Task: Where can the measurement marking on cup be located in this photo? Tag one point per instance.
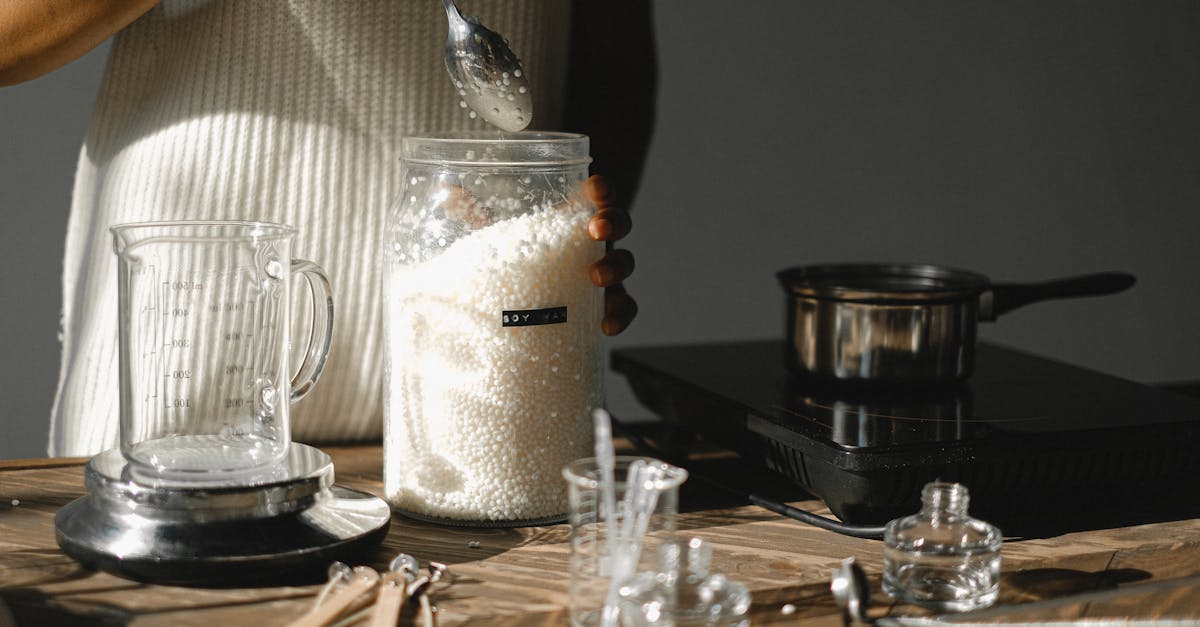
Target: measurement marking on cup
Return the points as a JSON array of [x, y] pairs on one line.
[[186, 286], [227, 307]]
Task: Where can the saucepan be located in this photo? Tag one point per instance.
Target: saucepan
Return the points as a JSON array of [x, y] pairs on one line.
[[905, 323]]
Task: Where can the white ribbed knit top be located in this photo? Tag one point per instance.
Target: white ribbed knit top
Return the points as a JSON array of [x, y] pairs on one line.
[[285, 111]]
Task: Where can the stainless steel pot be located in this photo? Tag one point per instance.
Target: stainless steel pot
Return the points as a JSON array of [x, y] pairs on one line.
[[905, 322]]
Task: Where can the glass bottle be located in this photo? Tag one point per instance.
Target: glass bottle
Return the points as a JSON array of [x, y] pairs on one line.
[[494, 359], [940, 557]]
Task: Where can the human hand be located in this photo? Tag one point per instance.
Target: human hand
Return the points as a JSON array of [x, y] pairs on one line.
[[609, 225]]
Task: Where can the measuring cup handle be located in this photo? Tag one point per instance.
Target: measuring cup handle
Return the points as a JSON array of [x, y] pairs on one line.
[[321, 335]]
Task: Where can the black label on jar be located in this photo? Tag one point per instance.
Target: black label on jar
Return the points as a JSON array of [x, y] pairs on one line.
[[533, 317]]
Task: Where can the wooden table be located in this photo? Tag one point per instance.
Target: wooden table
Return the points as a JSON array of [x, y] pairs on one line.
[[518, 576]]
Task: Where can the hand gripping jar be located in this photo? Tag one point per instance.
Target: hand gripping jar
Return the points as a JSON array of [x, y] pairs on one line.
[[494, 358]]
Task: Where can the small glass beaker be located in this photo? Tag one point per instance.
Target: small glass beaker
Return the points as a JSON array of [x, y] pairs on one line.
[[204, 320], [590, 556], [682, 592]]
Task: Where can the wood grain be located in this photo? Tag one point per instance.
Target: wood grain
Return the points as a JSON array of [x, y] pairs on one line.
[[518, 576]]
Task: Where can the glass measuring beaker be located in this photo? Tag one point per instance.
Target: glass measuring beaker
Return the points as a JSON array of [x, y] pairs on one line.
[[205, 319]]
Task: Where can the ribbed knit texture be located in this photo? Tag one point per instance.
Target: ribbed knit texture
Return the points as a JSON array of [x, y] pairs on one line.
[[273, 110]]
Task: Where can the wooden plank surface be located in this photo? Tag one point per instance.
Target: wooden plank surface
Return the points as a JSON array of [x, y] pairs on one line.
[[518, 576]]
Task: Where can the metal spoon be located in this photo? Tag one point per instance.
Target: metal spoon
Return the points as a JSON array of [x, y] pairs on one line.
[[851, 591], [486, 73]]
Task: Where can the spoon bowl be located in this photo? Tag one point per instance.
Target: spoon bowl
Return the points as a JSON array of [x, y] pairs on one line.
[[486, 73]]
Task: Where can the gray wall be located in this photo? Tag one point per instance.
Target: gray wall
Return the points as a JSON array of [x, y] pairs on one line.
[[42, 124], [1025, 140]]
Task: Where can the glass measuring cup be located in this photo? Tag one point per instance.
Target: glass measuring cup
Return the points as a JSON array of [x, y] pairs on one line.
[[204, 319]]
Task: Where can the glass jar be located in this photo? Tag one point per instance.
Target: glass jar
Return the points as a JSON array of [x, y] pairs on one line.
[[494, 358], [940, 557]]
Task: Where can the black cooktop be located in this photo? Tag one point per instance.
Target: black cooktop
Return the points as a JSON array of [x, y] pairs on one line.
[[1025, 434]]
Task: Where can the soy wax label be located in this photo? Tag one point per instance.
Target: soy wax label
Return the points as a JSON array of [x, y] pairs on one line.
[[533, 317]]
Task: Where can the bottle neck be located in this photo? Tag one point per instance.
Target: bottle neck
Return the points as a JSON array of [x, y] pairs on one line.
[[944, 501]]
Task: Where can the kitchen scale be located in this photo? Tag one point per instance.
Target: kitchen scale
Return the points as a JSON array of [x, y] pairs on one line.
[[1030, 437], [288, 522], [207, 486]]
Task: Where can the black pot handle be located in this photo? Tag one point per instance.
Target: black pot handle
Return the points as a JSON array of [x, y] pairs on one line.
[[1002, 298]]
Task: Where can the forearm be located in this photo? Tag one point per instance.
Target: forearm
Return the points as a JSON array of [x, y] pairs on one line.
[[39, 36], [612, 88]]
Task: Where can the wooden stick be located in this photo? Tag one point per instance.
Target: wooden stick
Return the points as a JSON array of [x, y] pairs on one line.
[[364, 580], [390, 600]]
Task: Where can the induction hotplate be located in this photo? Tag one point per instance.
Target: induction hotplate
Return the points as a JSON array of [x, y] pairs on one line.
[[1028, 436]]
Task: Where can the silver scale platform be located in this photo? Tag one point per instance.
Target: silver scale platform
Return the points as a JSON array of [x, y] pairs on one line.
[[286, 525]]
